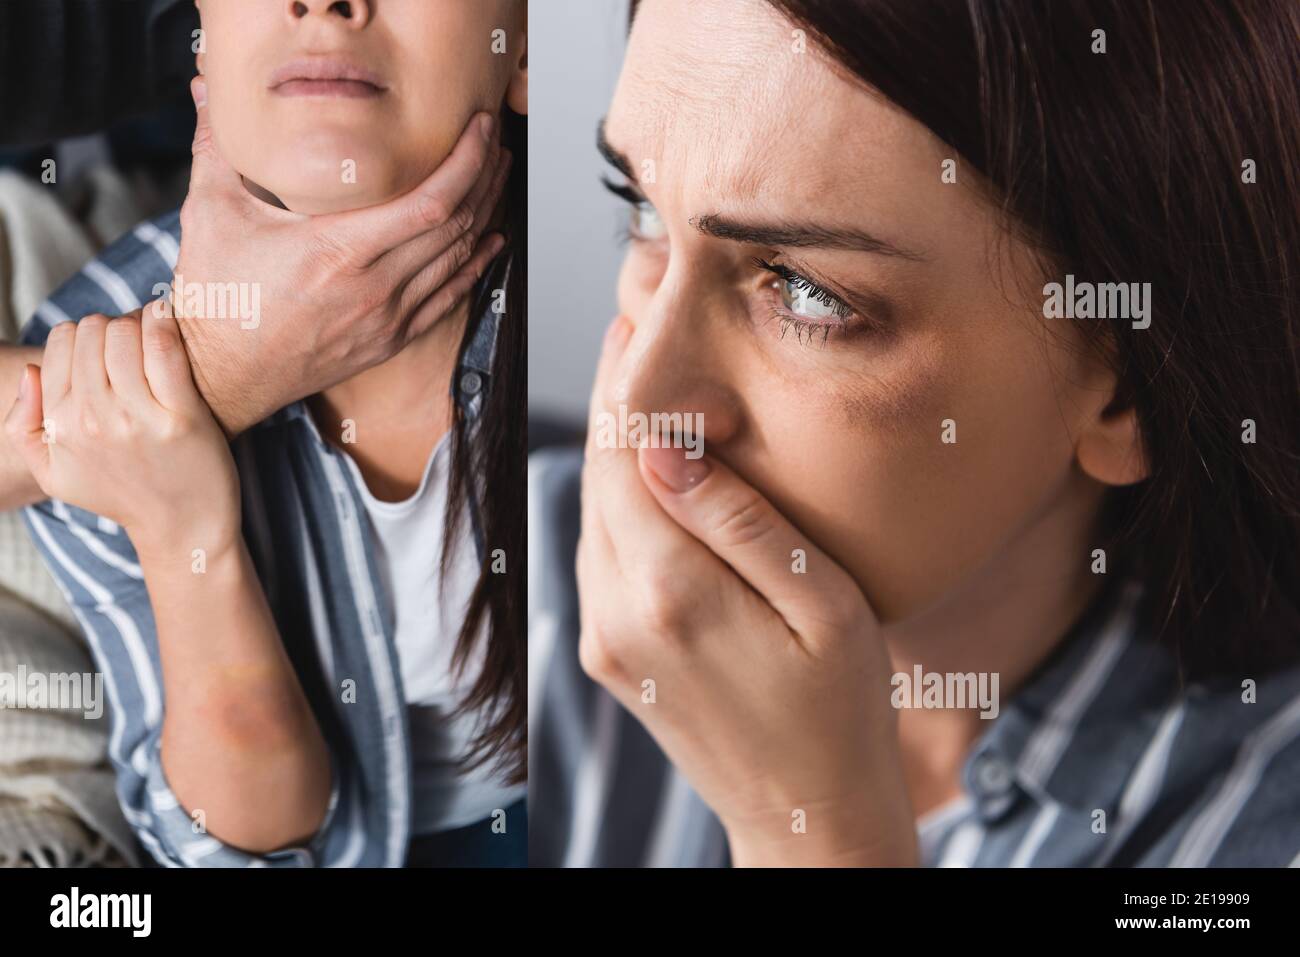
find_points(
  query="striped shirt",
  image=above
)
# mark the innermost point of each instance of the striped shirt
(1102, 758)
(306, 530)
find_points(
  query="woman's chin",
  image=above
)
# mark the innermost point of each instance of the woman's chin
(318, 195)
(308, 182)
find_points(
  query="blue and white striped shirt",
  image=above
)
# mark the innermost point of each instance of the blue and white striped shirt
(306, 530)
(1100, 759)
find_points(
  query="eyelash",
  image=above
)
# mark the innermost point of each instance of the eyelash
(630, 196)
(805, 330)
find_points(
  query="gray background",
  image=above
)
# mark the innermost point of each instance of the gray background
(575, 52)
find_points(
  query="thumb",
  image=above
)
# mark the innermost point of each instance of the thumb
(166, 363)
(25, 425)
(210, 171)
(814, 595)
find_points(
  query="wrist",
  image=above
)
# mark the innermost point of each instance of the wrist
(859, 834)
(192, 546)
(228, 391)
(801, 850)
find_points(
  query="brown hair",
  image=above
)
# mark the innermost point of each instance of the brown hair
(489, 462)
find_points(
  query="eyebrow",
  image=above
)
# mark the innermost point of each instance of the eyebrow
(780, 235)
(800, 236)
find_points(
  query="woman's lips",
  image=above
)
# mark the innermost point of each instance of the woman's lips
(326, 77)
(355, 89)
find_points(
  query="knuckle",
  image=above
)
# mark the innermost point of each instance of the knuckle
(462, 249)
(89, 422)
(461, 220)
(330, 252)
(159, 341)
(121, 423)
(431, 209)
(407, 300)
(124, 327)
(664, 600)
(848, 610)
(744, 521)
(597, 657)
(374, 299)
(173, 428)
(63, 331)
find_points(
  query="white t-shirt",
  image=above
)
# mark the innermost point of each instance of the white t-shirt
(407, 538)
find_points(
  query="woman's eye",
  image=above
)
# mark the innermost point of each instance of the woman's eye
(804, 298)
(645, 222)
(807, 301)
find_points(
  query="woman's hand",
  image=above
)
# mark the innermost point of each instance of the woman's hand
(771, 688)
(338, 293)
(112, 422)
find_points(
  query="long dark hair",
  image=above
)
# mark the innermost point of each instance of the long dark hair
(489, 462)
(1131, 164)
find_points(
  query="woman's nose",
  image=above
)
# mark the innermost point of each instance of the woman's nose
(356, 13)
(675, 379)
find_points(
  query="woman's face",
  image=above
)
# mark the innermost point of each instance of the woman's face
(339, 105)
(751, 152)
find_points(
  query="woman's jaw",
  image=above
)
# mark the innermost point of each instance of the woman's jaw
(336, 170)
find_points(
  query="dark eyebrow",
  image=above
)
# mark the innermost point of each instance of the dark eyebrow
(799, 236)
(612, 156)
(780, 235)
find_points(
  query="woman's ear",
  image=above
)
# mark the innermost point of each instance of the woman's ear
(1110, 448)
(517, 90)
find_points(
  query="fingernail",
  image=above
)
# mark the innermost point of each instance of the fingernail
(486, 125)
(674, 469)
(199, 88)
(22, 383)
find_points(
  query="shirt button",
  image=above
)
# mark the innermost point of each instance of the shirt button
(992, 775)
(471, 383)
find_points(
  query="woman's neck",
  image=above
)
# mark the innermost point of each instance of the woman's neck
(1005, 620)
(390, 418)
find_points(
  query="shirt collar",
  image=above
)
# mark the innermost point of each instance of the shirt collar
(1074, 733)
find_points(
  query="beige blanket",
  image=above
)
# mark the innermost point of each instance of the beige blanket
(57, 806)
